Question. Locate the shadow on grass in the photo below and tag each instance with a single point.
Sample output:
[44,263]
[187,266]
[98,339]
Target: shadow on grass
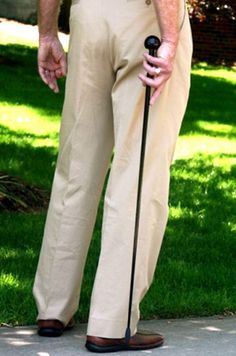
[197,264]
[203,195]
[211,100]
[20,82]
[196,269]
[34,164]
[19,245]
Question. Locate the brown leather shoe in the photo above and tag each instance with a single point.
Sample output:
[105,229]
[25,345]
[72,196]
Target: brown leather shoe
[53,327]
[140,341]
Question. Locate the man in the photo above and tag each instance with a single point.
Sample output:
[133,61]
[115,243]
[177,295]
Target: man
[103,109]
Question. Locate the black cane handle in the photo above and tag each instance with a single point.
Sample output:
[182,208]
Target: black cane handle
[152,43]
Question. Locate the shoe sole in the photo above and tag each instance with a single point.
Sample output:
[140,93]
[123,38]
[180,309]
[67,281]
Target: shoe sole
[102,349]
[52,332]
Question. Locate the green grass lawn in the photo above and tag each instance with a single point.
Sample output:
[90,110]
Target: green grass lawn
[196,272]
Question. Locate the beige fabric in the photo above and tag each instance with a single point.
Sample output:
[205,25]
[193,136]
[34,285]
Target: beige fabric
[103,109]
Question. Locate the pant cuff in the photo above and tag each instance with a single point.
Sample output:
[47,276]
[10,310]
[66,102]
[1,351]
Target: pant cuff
[114,329]
[62,319]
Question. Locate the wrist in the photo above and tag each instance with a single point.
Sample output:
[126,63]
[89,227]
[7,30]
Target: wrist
[48,37]
[167,49]
[171,41]
[46,33]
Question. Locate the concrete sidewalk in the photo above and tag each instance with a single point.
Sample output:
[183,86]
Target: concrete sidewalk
[194,337]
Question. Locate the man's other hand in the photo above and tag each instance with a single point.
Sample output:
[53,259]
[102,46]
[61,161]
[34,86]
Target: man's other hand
[52,62]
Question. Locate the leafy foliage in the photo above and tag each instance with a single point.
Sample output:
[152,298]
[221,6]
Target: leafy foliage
[201,9]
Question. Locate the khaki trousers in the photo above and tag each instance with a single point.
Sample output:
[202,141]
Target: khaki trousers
[103,110]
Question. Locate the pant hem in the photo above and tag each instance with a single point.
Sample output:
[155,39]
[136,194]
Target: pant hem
[53,317]
[114,329]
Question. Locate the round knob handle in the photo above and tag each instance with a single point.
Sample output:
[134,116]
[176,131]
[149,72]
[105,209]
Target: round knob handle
[152,43]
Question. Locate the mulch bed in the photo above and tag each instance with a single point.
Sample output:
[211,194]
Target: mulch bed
[18,196]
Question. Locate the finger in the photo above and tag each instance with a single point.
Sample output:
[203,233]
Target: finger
[50,79]
[149,69]
[149,81]
[154,97]
[42,75]
[156,94]
[53,82]
[58,73]
[157,61]
[56,88]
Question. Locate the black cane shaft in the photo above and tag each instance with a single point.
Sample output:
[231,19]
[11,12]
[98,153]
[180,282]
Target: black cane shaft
[152,46]
[138,203]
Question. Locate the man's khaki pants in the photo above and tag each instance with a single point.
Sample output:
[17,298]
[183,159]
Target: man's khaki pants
[103,109]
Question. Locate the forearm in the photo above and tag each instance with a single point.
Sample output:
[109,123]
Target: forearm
[168,15]
[48,11]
